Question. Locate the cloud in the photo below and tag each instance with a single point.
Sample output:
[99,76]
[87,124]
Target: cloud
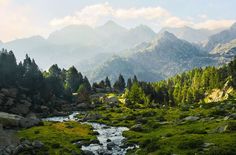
[214,24]
[176,22]
[17,21]
[4,2]
[149,13]
[91,15]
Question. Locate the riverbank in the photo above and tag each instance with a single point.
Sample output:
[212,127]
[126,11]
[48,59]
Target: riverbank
[201,128]
[67,135]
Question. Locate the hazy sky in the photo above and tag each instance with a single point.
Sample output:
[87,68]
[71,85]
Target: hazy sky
[23,18]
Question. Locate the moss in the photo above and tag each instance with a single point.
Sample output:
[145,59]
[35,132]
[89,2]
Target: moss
[59,137]
[190,143]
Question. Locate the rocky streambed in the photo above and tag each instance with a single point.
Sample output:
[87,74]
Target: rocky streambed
[110,139]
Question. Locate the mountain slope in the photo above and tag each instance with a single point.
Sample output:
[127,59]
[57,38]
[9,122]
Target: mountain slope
[190,34]
[165,56]
[221,38]
[75,44]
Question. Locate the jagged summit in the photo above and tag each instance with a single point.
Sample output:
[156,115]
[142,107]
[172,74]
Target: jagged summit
[233,26]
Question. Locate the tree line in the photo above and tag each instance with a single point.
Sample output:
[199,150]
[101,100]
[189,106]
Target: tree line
[186,88]
[55,82]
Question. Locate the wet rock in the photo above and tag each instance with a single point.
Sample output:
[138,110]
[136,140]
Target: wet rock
[95,133]
[108,140]
[191,118]
[74,152]
[92,117]
[86,152]
[137,127]
[79,144]
[110,145]
[94,141]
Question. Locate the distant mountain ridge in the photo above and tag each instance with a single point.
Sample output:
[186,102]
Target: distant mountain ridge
[75,43]
[164,56]
[190,34]
[139,51]
[221,38]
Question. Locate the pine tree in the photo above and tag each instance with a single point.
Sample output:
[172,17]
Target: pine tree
[119,85]
[129,83]
[108,82]
[73,79]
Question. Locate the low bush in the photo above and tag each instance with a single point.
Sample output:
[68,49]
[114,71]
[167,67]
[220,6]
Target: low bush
[190,143]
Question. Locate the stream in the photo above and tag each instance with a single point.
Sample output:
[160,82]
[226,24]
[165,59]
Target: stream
[110,138]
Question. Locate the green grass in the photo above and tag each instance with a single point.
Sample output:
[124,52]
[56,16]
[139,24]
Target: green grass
[58,137]
[176,136]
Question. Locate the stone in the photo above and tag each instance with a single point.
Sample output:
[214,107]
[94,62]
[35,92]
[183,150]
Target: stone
[10,92]
[9,120]
[108,140]
[206,145]
[37,144]
[27,142]
[226,118]
[221,129]
[86,152]
[28,122]
[23,108]
[73,152]
[232,116]
[83,106]
[18,149]
[137,127]
[92,117]
[95,141]
[110,145]
[10,149]
[9,102]
[191,118]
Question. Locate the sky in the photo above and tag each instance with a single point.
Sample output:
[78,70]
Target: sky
[24,18]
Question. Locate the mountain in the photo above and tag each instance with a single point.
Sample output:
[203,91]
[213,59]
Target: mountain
[76,44]
[226,48]
[79,35]
[221,38]
[190,34]
[163,57]
[110,28]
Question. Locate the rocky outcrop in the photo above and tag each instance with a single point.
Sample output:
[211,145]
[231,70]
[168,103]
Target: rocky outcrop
[14,101]
[15,121]
[24,145]
[217,95]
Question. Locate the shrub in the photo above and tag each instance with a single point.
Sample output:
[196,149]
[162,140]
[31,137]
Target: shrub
[190,143]
[231,126]
[218,112]
[195,131]
[150,145]
[221,151]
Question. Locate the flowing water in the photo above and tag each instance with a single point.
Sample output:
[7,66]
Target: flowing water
[110,138]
